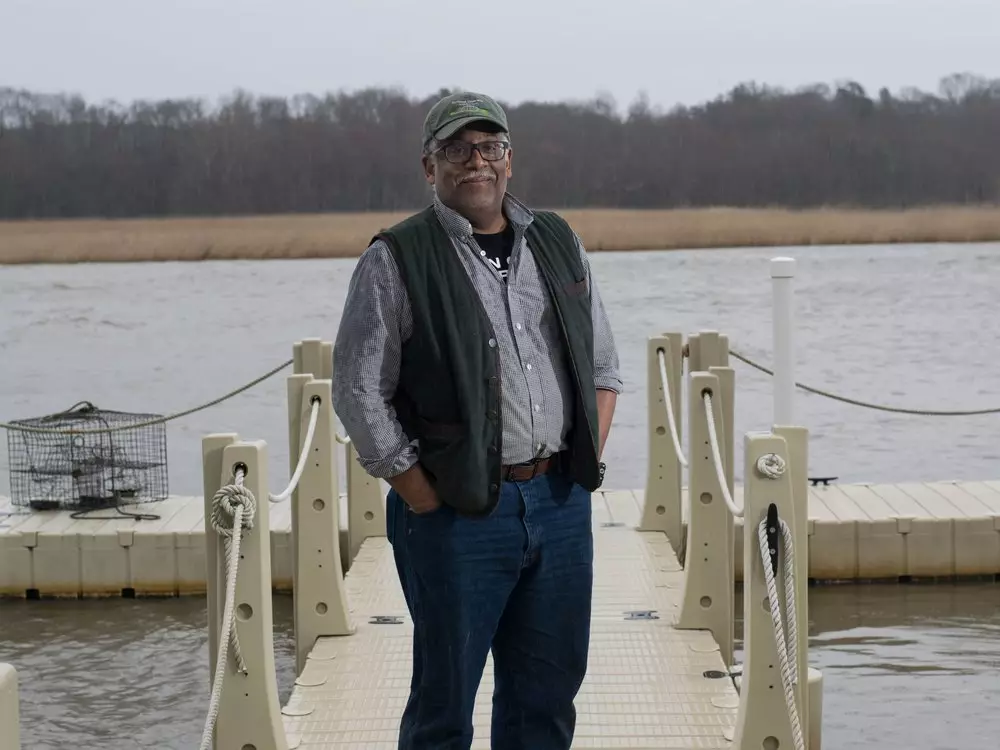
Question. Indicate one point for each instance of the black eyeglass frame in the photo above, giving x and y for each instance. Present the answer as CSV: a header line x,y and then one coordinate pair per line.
x,y
466,148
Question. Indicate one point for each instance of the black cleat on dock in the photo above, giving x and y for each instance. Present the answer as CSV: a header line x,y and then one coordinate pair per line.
x,y
825,481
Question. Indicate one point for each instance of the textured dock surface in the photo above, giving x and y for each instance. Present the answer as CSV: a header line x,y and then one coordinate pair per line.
x,y
646,685
856,532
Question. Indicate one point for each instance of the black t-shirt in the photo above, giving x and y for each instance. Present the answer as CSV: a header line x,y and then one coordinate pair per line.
x,y
497,248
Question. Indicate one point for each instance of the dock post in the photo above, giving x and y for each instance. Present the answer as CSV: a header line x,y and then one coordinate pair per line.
x,y
763,718
797,441
10,732
662,505
724,402
212,447
365,504
708,600
707,349
782,273
320,595
249,714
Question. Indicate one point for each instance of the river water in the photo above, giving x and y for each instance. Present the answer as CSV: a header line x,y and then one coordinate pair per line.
x,y
904,666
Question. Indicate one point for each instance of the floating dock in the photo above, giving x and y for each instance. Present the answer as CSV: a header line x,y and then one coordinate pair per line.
x,y
648,684
857,532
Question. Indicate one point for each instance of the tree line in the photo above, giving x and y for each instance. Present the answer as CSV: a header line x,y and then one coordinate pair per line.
x,y
756,145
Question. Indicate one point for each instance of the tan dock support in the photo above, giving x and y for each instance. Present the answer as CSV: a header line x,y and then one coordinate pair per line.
x,y
365,504
797,443
249,711
662,500
725,403
320,595
707,349
10,732
709,581
763,719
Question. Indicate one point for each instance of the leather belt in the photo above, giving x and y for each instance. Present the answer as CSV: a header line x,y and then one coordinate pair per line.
x,y
524,472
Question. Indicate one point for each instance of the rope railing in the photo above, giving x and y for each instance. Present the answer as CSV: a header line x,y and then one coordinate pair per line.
x,y
149,422
720,471
233,508
300,466
869,405
668,404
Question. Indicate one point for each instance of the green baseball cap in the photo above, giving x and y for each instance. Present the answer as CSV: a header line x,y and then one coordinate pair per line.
x,y
454,112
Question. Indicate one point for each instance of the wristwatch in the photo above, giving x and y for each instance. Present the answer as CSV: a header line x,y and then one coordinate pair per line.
x,y
601,468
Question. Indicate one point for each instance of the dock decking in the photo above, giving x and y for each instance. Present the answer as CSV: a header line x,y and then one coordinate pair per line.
x,y
856,532
646,685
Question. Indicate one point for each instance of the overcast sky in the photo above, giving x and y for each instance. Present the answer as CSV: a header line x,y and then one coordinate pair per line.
x,y
676,51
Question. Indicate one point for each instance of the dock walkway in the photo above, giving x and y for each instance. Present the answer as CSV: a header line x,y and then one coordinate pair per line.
x,y
857,532
646,685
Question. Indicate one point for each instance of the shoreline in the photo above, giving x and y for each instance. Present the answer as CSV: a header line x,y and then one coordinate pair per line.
x,y
345,235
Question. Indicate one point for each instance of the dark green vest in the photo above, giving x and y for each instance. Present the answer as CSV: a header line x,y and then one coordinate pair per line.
x,y
448,396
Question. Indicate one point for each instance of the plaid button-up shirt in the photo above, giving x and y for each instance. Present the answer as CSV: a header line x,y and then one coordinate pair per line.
x,y
537,397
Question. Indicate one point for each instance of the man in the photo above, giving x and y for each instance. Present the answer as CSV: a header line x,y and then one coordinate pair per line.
x,y
476,372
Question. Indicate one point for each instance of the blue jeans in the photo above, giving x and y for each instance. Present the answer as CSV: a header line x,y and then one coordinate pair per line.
x,y
517,582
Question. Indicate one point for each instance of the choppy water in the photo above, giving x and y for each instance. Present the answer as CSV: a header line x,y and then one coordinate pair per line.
x,y
905,667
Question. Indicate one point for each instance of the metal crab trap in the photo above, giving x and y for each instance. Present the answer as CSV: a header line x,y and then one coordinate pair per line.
x,y
87,459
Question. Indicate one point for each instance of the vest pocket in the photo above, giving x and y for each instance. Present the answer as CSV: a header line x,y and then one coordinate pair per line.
x,y
440,430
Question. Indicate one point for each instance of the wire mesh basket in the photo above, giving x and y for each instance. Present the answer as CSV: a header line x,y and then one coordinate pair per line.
x,y
99,459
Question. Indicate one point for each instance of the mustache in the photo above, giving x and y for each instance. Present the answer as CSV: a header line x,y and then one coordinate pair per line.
x,y
484,174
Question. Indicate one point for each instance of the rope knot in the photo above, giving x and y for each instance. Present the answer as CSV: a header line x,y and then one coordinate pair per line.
x,y
771,466
224,506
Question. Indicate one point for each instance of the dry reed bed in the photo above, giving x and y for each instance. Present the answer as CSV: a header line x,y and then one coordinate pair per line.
x,y
346,235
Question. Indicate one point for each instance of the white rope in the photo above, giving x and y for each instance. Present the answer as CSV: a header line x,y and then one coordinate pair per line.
x,y
771,465
670,408
233,507
787,646
306,447
720,474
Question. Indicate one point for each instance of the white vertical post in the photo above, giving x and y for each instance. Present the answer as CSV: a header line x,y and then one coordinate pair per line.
x,y
782,274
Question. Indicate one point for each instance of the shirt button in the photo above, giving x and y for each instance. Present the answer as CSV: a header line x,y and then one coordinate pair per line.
x,y
528,366
518,326
537,407
493,343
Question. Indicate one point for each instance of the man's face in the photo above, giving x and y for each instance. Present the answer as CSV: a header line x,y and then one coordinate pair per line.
x,y
472,185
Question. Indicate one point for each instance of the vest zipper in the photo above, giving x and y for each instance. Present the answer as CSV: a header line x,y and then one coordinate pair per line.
x,y
496,373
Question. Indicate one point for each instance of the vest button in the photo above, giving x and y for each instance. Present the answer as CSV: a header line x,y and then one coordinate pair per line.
x,y
493,343
494,487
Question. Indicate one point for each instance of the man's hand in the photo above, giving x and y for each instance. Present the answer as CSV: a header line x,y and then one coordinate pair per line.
x,y
416,490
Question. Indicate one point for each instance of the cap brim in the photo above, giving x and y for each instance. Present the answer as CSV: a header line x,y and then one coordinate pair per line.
x,y
453,127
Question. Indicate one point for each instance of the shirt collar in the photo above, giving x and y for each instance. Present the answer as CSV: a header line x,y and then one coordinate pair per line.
x,y
517,213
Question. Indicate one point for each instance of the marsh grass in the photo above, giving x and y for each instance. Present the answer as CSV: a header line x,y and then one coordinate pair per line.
x,y
346,235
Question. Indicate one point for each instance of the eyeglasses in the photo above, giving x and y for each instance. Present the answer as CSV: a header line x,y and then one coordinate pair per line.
x,y
459,152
